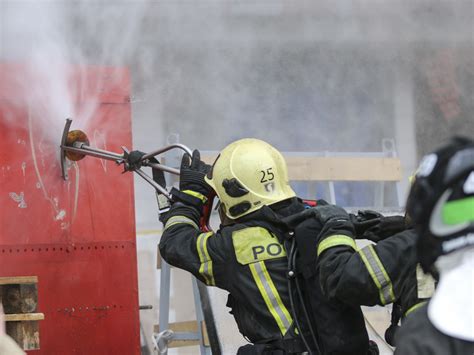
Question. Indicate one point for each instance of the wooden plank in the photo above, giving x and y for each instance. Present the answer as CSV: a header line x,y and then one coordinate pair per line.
x,y
304,168
344,169
188,327
23,317
18,280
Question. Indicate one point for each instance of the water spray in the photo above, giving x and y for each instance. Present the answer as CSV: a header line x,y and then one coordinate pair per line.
x,y
75,146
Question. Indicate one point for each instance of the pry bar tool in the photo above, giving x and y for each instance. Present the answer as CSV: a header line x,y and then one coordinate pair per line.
x,y
75,146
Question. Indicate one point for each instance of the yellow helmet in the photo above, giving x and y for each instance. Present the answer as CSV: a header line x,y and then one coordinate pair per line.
x,y
247,175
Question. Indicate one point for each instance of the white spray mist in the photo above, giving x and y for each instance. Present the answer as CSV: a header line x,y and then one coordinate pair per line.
x,y
54,40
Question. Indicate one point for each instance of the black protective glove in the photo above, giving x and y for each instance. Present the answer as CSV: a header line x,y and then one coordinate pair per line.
x,y
314,219
335,221
373,226
330,213
322,221
134,158
364,220
193,190
134,162
193,170
387,227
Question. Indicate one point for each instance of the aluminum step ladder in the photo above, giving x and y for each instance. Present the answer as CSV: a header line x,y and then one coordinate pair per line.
x,y
201,331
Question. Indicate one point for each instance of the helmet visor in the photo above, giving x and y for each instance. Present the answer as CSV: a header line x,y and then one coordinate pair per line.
x,y
461,162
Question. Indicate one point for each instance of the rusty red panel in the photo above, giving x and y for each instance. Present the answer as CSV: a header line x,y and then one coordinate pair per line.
x,y
77,236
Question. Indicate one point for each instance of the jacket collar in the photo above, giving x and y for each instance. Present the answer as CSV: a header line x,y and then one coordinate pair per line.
x,y
270,217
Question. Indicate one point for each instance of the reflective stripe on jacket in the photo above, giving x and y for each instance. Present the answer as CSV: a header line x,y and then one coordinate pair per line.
x,y
245,259
373,275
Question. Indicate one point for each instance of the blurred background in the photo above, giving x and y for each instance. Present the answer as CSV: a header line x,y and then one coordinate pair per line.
x,y
304,75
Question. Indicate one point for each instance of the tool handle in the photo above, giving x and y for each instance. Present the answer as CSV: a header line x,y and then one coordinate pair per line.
x,y
165,149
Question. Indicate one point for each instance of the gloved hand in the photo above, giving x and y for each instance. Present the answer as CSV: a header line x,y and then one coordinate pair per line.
x,y
193,191
133,160
326,221
327,213
384,228
193,170
364,220
335,221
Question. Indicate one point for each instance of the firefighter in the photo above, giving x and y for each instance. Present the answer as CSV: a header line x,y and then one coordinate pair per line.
x,y
248,255
383,273
441,205
378,274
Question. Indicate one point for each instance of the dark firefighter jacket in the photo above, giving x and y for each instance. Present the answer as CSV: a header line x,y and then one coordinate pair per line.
x,y
248,260
377,274
418,336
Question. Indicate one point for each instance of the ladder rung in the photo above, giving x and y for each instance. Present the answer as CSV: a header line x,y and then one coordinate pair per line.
x,y
186,334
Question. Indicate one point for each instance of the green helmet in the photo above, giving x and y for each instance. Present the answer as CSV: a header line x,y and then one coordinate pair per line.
x,y
247,175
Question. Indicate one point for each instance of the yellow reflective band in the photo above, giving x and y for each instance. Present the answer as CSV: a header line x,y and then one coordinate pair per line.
x,y
206,262
270,296
196,194
180,220
414,308
378,273
335,241
256,244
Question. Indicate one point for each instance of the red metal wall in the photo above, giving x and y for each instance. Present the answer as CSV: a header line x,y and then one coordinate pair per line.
x,y
77,236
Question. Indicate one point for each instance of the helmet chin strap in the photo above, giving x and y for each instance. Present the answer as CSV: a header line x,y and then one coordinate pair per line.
x,y
225,221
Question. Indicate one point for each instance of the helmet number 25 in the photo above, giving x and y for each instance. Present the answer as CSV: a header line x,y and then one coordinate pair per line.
x,y
267,175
